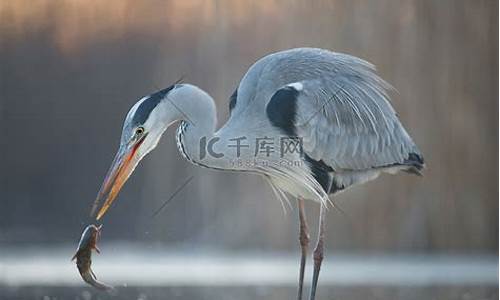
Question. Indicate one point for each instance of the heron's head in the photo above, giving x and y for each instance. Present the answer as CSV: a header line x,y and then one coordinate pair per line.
x,y
142,129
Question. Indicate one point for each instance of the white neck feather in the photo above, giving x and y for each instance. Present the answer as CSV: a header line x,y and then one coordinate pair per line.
x,y
197,113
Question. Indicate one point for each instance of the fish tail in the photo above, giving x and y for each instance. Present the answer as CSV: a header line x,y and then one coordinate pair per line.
x,y
90,278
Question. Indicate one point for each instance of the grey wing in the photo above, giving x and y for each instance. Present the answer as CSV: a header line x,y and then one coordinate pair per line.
x,y
346,121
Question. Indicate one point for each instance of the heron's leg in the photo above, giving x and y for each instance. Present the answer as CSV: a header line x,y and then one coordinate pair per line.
x,y
318,251
304,243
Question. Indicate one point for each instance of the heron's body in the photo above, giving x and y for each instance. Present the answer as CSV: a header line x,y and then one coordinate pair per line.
x,y
333,102
333,105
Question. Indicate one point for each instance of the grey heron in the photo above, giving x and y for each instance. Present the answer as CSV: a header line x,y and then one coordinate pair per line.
x,y
331,108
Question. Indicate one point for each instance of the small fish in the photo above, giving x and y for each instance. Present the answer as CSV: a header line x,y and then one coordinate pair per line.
x,y
83,256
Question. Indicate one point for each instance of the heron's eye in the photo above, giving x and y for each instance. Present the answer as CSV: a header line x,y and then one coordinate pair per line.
x,y
139,131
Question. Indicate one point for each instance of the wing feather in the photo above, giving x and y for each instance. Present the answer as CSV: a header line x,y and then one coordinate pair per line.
x,y
346,120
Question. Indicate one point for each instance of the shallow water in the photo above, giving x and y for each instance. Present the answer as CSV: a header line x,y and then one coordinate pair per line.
x,y
159,273
246,292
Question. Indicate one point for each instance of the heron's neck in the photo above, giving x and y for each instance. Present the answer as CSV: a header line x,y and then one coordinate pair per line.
x,y
197,113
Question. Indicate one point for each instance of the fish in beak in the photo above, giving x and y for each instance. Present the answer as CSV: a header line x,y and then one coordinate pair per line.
x,y
122,167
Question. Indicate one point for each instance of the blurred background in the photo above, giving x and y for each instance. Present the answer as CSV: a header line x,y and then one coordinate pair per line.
x,y
70,71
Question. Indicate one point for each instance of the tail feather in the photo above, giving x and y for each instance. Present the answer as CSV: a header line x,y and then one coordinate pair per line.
x,y
415,163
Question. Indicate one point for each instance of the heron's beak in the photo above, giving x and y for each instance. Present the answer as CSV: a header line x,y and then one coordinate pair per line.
x,y
123,165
